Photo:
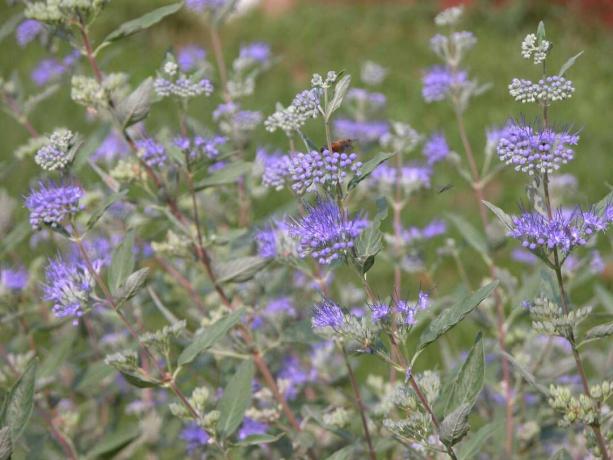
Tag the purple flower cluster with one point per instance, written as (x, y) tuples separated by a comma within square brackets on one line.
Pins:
[(327, 314), (404, 310), (27, 31), (190, 57), (439, 81), (68, 285), (194, 436), (308, 170), (183, 87), (411, 177), (295, 375), (50, 68), (435, 148), (414, 234), (256, 51), (13, 279), (545, 91), (52, 203), (251, 427), (198, 146), (201, 6), (564, 231), (266, 241), (363, 132), (113, 146), (325, 233), (233, 118), (535, 151), (151, 152), (275, 168), (362, 97)]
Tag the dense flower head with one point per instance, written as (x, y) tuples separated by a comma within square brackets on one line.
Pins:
[(436, 148), (372, 100), (452, 48), (414, 234), (293, 375), (50, 69), (372, 73), (251, 427), (256, 51), (545, 91), (266, 241), (439, 81), (195, 437), (190, 57), (68, 285), (57, 153), (13, 279), (151, 152), (379, 311), (449, 16), (304, 106), (113, 146), (564, 231), (308, 170), (531, 47), (411, 177), (173, 82), (327, 314), (535, 151), (232, 120), (52, 203), (326, 232), (199, 147), (364, 132), (275, 168), (27, 31)]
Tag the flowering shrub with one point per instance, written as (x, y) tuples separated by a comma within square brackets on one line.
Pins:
[(182, 322)]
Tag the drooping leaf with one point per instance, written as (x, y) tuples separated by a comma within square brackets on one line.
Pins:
[(562, 454), (6, 444), (525, 373), (57, 355), (454, 314), (133, 284), (368, 167), (228, 175), (206, 339), (340, 89), (455, 426), (472, 446), (568, 64), (600, 331), (122, 262), (144, 22), (140, 380), (31, 102), (136, 106), (114, 441), (235, 400), (502, 216), (19, 403), (240, 269), (367, 246), (468, 382), (472, 236), (100, 210)]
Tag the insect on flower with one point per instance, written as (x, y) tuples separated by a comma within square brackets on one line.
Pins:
[(339, 146)]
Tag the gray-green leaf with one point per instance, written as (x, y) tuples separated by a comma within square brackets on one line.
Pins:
[(20, 402), (453, 315), (239, 269), (235, 400), (469, 380), (472, 236), (136, 106), (132, 285), (6, 445), (568, 64), (122, 262), (206, 339), (228, 175), (340, 89), (600, 331), (368, 167), (502, 216), (525, 373), (100, 210), (455, 426), (472, 446), (114, 441)]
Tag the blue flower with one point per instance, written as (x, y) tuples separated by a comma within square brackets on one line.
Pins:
[(308, 170), (13, 279), (251, 427), (363, 132), (436, 148), (327, 314), (152, 153), (27, 31), (195, 437), (52, 203), (190, 57), (439, 81), (257, 51)]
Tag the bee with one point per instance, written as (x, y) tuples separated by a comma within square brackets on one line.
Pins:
[(340, 145)]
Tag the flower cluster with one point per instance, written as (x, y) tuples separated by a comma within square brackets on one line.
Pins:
[(190, 58), (58, 152), (453, 47), (433, 229), (564, 231), (372, 73), (364, 132), (306, 105), (328, 169), (27, 31), (535, 151), (235, 122), (151, 152), (411, 177), (172, 82), (326, 232), (401, 138), (327, 314), (531, 47), (199, 147), (206, 6), (13, 279), (56, 12), (275, 169), (68, 286), (439, 82), (52, 203), (113, 146), (404, 310), (545, 91), (49, 69), (435, 148)]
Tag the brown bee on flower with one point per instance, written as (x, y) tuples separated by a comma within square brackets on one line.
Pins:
[(339, 146)]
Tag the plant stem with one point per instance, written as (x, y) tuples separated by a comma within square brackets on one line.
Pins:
[(19, 116), (220, 61), (359, 403)]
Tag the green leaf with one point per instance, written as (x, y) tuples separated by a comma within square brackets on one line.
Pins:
[(235, 400), (340, 89), (133, 284), (113, 442), (228, 175), (368, 167), (308, 143), (9, 26), (136, 106), (474, 445), (472, 236), (94, 376), (367, 246), (20, 402), (346, 453), (600, 331), (605, 297), (57, 355), (455, 426), (32, 101), (502, 216), (206, 339), (568, 64), (239, 269), (92, 142), (122, 262), (6, 445), (469, 380), (562, 454), (100, 210), (21, 231), (142, 23), (525, 373), (140, 380), (540, 32), (453, 315), (257, 439)]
